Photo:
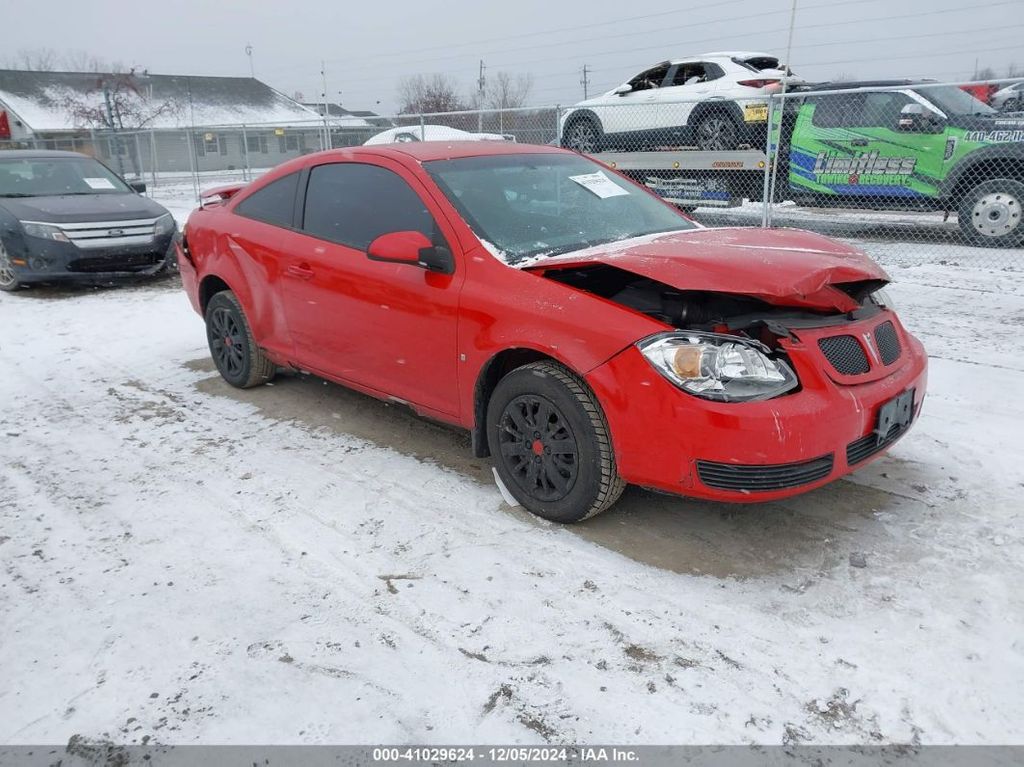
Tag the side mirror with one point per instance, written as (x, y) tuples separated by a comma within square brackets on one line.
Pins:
[(915, 118), (138, 186), (622, 90), (412, 248)]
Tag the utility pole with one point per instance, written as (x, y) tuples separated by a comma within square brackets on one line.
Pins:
[(252, 68), (327, 129), (585, 81), (481, 85)]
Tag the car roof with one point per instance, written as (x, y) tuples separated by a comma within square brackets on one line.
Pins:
[(426, 151), (725, 55), (37, 154)]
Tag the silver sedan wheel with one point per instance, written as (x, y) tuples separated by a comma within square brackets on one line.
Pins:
[(8, 279)]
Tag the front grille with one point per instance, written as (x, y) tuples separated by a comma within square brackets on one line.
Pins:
[(865, 447), (758, 478), (135, 262), (888, 343), (845, 353)]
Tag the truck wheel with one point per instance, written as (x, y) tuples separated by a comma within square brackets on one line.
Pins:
[(990, 214), (582, 135), (550, 443), (9, 281), (238, 359), (716, 132)]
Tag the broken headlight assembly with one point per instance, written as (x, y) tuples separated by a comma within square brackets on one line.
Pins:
[(718, 367)]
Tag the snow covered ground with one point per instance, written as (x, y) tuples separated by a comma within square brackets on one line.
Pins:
[(183, 562)]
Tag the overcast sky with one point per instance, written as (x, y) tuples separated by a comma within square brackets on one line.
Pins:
[(369, 46)]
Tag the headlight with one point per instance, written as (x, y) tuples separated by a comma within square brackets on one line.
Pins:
[(882, 298), (164, 225), (45, 231), (718, 367)]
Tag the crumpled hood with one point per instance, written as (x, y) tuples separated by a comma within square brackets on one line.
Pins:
[(787, 267), (65, 209)]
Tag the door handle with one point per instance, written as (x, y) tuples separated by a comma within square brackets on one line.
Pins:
[(302, 271), (859, 142)]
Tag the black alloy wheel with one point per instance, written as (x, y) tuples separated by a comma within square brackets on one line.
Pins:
[(538, 447)]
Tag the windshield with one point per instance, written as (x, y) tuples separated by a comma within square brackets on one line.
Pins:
[(954, 101), (534, 205), (46, 176)]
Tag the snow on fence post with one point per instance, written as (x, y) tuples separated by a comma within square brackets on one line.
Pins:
[(152, 155)]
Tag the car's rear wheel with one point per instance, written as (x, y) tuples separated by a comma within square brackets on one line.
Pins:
[(992, 214), (551, 445), (8, 277), (716, 132), (582, 135), (238, 359)]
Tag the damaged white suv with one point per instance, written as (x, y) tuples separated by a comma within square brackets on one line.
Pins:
[(715, 101)]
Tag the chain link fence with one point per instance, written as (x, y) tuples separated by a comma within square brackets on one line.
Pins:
[(911, 172)]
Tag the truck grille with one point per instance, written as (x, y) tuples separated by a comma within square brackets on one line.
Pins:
[(845, 353), (888, 343), (761, 478)]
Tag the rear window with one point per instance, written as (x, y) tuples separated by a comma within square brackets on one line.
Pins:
[(758, 63), (273, 204)]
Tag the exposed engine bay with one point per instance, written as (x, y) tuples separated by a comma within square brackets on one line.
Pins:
[(712, 311)]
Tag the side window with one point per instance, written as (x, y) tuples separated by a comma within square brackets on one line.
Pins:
[(353, 204), (273, 204), (837, 111), (652, 78), (860, 110), (690, 73)]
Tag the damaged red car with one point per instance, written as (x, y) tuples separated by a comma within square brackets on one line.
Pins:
[(587, 333)]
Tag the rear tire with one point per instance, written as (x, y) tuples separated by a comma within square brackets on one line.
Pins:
[(992, 214), (238, 359), (716, 132), (9, 281), (550, 443)]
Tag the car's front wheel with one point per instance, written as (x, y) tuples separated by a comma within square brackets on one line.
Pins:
[(550, 443), (238, 359), (992, 214), (9, 281), (582, 135)]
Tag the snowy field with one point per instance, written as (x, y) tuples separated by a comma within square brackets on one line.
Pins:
[(184, 562)]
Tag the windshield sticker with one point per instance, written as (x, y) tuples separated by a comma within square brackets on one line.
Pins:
[(99, 183), (599, 184)]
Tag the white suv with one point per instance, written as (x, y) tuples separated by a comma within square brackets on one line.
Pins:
[(715, 101)]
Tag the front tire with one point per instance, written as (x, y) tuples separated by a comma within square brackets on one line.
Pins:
[(582, 135), (550, 443), (992, 214), (238, 359), (9, 281)]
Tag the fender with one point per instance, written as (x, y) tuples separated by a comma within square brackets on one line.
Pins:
[(1011, 156)]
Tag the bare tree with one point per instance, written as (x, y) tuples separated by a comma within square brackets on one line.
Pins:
[(508, 92), (423, 94), (83, 61), (34, 60), (116, 102)]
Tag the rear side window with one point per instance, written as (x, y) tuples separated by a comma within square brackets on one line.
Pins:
[(353, 204), (273, 204)]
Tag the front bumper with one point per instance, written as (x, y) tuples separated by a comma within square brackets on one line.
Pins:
[(38, 260), (669, 440)]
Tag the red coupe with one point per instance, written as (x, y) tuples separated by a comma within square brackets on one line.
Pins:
[(586, 332)]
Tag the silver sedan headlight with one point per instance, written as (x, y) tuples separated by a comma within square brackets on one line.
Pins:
[(44, 231), (164, 225), (718, 367)]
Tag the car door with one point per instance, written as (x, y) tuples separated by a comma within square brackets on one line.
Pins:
[(384, 326), (686, 85), (634, 110), (854, 145)]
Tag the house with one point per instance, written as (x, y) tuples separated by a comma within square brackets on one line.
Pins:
[(164, 122)]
